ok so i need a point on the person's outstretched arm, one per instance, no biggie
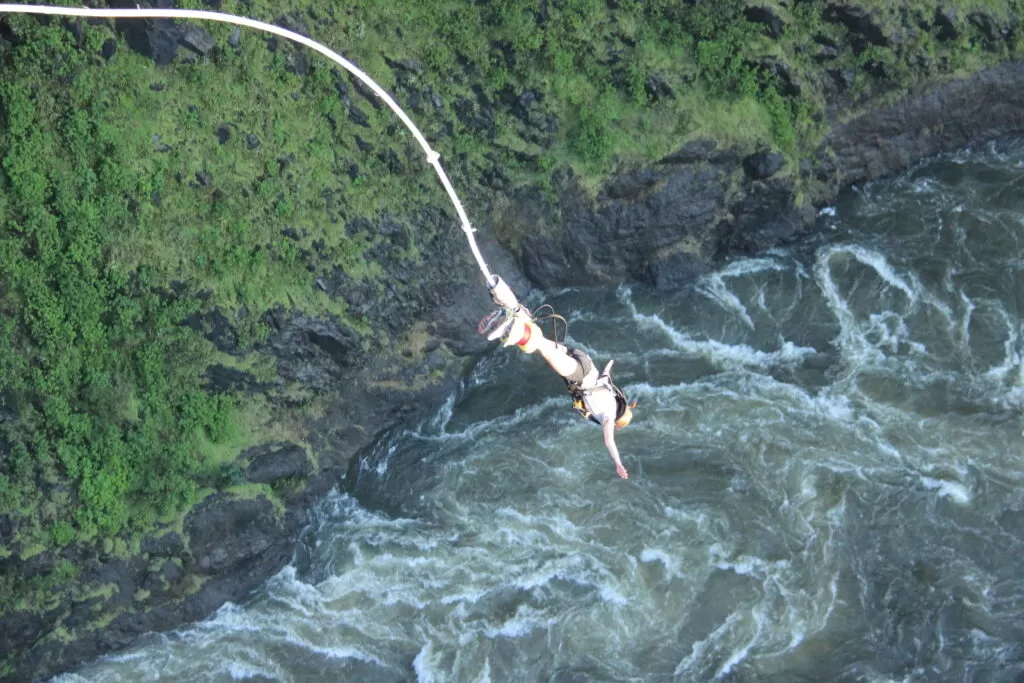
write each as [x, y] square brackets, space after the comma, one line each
[609, 441]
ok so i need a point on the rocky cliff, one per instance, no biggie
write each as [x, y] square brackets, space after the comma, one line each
[890, 94]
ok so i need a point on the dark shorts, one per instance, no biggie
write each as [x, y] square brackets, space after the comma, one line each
[583, 366]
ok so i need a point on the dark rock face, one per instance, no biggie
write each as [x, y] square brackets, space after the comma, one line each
[859, 21]
[160, 39]
[950, 117]
[225, 533]
[663, 225]
[233, 545]
[843, 78]
[275, 461]
[167, 544]
[945, 21]
[220, 378]
[789, 84]
[314, 352]
[21, 629]
[634, 223]
[230, 545]
[766, 216]
[657, 89]
[763, 164]
[692, 152]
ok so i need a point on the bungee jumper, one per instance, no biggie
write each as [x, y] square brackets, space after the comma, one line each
[594, 395]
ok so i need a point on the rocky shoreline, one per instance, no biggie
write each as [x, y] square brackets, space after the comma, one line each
[661, 225]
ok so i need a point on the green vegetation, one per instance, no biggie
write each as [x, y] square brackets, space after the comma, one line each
[134, 196]
[99, 404]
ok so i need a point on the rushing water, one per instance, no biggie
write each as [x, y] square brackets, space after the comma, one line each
[825, 483]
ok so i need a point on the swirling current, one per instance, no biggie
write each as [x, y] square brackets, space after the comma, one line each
[826, 482]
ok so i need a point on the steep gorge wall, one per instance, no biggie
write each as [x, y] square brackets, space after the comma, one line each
[669, 222]
[661, 222]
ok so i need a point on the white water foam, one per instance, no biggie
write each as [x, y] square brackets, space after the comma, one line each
[427, 665]
[714, 285]
[672, 567]
[727, 355]
[956, 492]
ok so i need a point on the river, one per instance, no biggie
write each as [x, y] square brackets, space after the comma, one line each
[825, 482]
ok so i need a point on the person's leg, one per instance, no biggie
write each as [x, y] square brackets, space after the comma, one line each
[557, 356]
[528, 336]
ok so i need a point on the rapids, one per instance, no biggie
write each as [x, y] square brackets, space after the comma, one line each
[826, 472]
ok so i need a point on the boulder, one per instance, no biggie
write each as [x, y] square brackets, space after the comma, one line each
[765, 216]
[946, 24]
[159, 39]
[843, 79]
[271, 462]
[196, 39]
[226, 533]
[657, 89]
[788, 83]
[764, 164]
[358, 116]
[366, 91]
[313, 351]
[407, 65]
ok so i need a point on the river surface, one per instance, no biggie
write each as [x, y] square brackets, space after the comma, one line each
[826, 483]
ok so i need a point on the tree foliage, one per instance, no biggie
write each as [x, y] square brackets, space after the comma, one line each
[95, 360]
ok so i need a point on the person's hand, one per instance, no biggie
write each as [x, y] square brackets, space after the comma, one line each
[621, 471]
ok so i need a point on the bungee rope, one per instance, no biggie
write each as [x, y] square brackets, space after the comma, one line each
[499, 291]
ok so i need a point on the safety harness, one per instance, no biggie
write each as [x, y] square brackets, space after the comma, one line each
[579, 394]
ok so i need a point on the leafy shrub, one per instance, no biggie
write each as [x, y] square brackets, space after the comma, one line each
[592, 140]
[781, 115]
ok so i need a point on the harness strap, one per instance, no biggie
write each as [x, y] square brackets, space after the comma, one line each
[579, 395]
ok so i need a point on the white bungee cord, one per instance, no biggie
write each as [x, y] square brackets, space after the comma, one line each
[499, 291]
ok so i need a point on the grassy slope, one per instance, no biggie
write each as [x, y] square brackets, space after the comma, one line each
[102, 210]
